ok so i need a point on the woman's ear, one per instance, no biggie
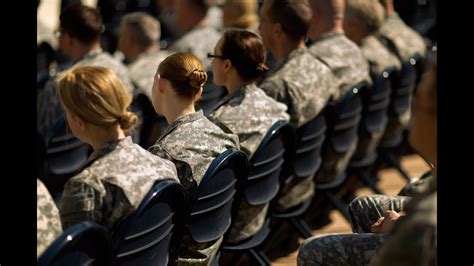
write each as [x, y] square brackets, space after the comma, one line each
[227, 65]
[198, 94]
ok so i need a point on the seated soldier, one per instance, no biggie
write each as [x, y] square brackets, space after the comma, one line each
[238, 61]
[118, 174]
[79, 39]
[190, 141]
[398, 237]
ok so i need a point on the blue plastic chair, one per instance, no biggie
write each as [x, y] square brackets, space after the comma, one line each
[263, 183]
[403, 89]
[65, 154]
[145, 237]
[86, 243]
[306, 162]
[374, 119]
[210, 206]
[342, 120]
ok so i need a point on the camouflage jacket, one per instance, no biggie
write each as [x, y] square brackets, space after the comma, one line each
[303, 83]
[48, 222]
[112, 184]
[142, 70]
[192, 142]
[400, 39]
[199, 41]
[48, 106]
[413, 240]
[378, 56]
[344, 58]
[249, 113]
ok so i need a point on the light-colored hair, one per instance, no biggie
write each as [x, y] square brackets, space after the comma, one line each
[96, 95]
[369, 12]
[144, 28]
[240, 13]
[185, 72]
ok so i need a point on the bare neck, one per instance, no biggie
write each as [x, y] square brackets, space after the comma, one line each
[285, 47]
[99, 137]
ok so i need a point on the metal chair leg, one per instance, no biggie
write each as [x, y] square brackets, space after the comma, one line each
[260, 257]
[339, 204]
[301, 227]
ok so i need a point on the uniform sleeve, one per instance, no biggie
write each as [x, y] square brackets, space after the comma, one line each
[48, 107]
[276, 89]
[80, 202]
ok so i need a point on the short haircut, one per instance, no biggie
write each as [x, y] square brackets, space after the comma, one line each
[294, 16]
[369, 12]
[143, 27]
[81, 22]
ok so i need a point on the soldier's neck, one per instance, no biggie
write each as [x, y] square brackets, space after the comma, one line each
[99, 136]
[177, 109]
[83, 49]
[234, 82]
[286, 47]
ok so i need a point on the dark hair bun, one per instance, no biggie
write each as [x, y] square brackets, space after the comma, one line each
[262, 69]
[128, 120]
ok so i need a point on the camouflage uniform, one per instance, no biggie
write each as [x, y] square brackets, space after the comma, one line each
[305, 85]
[366, 210]
[143, 69]
[192, 142]
[346, 61]
[48, 222]
[199, 41]
[379, 58]
[112, 184]
[413, 241]
[249, 113]
[402, 41]
[48, 106]
[344, 58]
[339, 249]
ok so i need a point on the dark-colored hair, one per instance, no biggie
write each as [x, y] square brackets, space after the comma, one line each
[294, 16]
[81, 22]
[185, 72]
[201, 5]
[246, 52]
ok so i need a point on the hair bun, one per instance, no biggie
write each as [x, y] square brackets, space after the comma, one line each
[262, 68]
[127, 120]
[197, 78]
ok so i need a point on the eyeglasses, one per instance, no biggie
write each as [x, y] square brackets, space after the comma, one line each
[210, 56]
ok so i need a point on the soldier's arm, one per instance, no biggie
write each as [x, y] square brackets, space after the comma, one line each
[276, 89]
[80, 202]
[410, 244]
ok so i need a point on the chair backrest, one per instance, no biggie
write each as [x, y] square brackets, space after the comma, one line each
[266, 164]
[343, 119]
[210, 205]
[144, 237]
[376, 101]
[310, 138]
[404, 86]
[65, 154]
[211, 95]
[86, 243]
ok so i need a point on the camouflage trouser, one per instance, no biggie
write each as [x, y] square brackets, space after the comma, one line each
[295, 190]
[193, 253]
[396, 125]
[417, 187]
[334, 164]
[351, 249]
[366, 210]
[248, 221]
[368, 143]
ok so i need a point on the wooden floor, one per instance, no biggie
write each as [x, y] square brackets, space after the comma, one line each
[391, 183]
